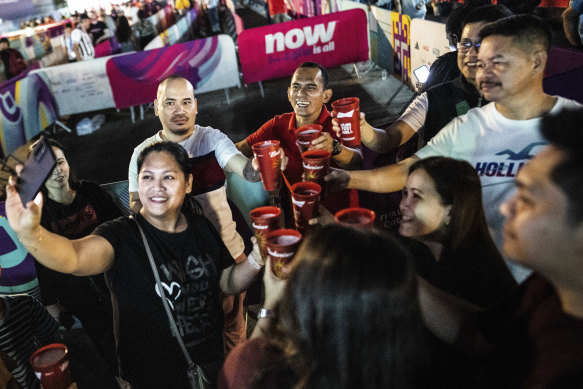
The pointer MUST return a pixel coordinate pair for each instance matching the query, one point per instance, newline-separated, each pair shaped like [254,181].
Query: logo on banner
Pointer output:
[297,37]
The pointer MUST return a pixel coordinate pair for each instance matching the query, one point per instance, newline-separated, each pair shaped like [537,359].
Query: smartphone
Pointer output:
[421,73]
[37,169]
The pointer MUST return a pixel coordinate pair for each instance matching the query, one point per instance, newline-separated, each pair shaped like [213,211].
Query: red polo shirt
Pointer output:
[282,128]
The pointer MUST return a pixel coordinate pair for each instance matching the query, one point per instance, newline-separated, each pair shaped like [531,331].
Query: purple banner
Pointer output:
[15,9]
[26,108]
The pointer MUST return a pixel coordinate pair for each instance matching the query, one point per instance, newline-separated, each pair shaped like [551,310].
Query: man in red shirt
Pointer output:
[308,93]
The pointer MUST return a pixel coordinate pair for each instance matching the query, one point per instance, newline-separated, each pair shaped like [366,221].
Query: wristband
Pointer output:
[253,262]
[336,148]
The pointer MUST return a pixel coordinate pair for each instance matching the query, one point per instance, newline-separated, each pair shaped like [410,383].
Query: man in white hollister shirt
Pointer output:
[497,139]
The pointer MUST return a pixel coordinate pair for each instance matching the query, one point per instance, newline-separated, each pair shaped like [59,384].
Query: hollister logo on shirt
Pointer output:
[515,161]
[295,38]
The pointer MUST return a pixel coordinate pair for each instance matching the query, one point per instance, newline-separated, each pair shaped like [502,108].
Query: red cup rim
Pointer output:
[45,348]
[266,209]
[281,232]
[345,101]
[359,211]
[308,127]
[265,143]
[307,186]
[314,154]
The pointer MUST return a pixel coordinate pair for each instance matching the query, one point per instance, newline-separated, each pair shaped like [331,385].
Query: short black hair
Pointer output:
[68,25]
[4,40]
[526,30]
[563,131]
[453,25]
[83,16]
[314,65]
[486,14]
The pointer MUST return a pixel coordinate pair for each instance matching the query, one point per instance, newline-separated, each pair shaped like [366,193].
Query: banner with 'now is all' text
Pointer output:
[331,40]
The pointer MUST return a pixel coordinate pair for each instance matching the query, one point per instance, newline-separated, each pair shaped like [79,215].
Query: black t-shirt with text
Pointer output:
[190,264]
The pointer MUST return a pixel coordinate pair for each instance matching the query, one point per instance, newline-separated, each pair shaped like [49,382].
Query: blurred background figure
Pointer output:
[14,62]
[212,11]
[125,35]
[25,325]
[144,30]
[68,43]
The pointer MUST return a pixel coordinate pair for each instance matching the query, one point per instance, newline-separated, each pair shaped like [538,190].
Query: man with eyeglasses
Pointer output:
[497,139]
[437,106]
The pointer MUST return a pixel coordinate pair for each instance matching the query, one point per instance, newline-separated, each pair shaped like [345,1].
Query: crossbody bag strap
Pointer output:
[173,326]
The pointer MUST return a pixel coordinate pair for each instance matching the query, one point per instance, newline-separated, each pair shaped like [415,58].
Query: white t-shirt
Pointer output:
[415,114]
[214,203]
[496,147]
[81,38]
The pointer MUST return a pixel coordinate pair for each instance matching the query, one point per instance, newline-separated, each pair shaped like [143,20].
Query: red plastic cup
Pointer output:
[348,116]
[51,365]
[281,247]
[306,134]
[269,161]
[316,164]
[305,200]
[265,220]
[355,217]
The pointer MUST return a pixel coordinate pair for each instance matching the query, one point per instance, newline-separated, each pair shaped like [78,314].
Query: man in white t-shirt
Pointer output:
[82,44]
[496,139]
[210,151]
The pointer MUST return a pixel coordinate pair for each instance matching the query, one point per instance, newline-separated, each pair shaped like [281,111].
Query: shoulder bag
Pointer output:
[196,376]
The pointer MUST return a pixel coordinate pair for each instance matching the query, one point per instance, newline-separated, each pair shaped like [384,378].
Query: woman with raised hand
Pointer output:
[347,317]
[192,263]
[442,208]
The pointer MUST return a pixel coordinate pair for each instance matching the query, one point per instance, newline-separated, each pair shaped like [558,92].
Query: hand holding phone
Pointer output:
[37,168]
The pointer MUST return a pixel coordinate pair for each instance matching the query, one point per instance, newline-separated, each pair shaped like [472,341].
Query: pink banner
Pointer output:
[554,3]
[331,40]
[209,64]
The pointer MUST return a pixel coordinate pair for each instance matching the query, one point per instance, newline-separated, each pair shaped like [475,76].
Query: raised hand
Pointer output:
[337,179]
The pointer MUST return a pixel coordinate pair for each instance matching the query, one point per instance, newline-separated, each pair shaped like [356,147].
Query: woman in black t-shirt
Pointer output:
[192,261]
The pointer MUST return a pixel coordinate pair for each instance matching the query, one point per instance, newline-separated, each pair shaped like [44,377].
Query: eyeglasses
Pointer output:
[466,45]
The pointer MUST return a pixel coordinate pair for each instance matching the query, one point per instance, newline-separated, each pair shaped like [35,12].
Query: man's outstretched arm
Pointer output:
[386,179]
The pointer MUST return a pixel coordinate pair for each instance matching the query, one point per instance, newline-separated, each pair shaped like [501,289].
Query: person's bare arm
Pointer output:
[90,255]
[383,141]
[135,203]
[242,166]
[106,35]
[348,158]
[244,148]
[386,179]
[238,277]
[77,51]
[377,139]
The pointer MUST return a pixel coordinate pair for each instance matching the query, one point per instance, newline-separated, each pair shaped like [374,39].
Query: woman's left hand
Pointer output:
[274,287]
[22,219]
